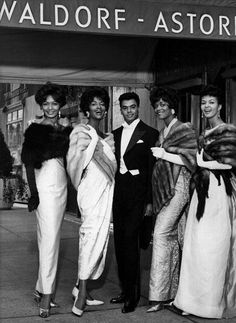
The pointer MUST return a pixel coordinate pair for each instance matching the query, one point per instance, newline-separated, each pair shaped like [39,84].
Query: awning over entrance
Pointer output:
[31,56]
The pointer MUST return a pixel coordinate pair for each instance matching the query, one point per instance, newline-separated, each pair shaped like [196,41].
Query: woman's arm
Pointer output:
[33,201]
[163,154]
[213,164]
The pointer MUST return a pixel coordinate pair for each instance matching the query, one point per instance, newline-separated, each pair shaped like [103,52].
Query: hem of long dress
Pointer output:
[160,299]
[200,310]
[229,313]
[81,277]
[45,291]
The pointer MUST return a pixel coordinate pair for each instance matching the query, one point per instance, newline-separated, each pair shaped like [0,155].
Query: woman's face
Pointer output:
[97,109]
[162,109]
[50,107]
[210,106]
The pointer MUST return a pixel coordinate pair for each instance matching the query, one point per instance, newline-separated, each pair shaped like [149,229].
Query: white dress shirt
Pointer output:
[128,130]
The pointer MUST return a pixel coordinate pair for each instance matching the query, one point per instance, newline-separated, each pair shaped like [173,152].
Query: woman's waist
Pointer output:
[59,161]
[51,168]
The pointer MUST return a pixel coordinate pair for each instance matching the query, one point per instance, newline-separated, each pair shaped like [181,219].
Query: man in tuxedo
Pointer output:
[132,196]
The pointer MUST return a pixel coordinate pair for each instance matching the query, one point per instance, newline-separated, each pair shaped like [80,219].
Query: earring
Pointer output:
[59,114]
[172,111]
[202,115]
[218,115]
[87,114]
[105,114]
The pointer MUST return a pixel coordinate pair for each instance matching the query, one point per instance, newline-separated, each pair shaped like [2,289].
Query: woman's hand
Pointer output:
[200,160]
[65,122]
[80,136]
[158,152]
[210,164]
[33,202]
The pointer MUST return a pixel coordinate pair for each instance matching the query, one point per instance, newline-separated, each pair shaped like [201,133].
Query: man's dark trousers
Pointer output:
[128,213]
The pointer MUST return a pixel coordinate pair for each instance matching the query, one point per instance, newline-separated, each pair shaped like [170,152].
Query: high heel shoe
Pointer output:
[37,298]
[44,312]
[89,302]
[155,308]
[77,311]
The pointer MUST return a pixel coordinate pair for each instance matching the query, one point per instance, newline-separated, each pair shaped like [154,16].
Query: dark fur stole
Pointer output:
[181,140]
[44,142]
[218,144]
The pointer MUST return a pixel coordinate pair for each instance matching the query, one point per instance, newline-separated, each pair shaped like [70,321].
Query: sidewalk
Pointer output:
[18,270]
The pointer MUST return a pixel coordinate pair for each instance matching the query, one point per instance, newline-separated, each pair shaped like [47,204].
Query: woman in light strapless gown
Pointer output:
[43,153]
[207,286]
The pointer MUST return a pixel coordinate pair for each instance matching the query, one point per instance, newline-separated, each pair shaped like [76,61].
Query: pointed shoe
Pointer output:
[37,298]
[155,308]
[75,310]
[89,302]
[93,302]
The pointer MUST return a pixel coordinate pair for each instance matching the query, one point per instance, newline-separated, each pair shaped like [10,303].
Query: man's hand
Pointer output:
[148,210]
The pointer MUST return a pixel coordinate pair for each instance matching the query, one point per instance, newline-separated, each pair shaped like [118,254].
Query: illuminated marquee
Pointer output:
[142,18]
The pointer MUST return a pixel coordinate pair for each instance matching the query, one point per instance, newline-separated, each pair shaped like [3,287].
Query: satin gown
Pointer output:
[51,183]
[207,286]
[95,197]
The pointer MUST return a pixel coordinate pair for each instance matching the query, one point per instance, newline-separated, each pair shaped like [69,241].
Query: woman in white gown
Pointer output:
[92,166]
[43,154]
[207,286]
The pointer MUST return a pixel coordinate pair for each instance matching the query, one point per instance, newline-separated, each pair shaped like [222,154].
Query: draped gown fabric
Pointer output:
[51,183]
[94,197]
[207,286]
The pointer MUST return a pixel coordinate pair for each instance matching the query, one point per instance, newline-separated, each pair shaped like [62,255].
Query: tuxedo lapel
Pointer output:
[139,131]
[118,142]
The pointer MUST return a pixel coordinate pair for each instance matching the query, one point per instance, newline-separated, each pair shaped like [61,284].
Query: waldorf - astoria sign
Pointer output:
[122,17]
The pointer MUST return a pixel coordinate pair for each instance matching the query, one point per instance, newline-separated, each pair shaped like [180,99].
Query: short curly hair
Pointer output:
[89,95]
[212,90]
[56,91]
[168,95]
[129,96]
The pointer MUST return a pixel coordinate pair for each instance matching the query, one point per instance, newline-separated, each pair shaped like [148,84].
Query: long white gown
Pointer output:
[205,255]
[94,197]
[51,183]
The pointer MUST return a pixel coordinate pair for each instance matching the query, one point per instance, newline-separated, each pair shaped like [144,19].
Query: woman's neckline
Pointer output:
[208,130]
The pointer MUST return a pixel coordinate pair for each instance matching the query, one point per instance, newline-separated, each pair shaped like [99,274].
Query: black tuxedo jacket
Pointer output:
[138,154]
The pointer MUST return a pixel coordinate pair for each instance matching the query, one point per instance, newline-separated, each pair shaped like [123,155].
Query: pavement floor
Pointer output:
[18,271]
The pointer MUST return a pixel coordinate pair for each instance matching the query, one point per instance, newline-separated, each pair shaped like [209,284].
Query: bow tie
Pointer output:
[127,126]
